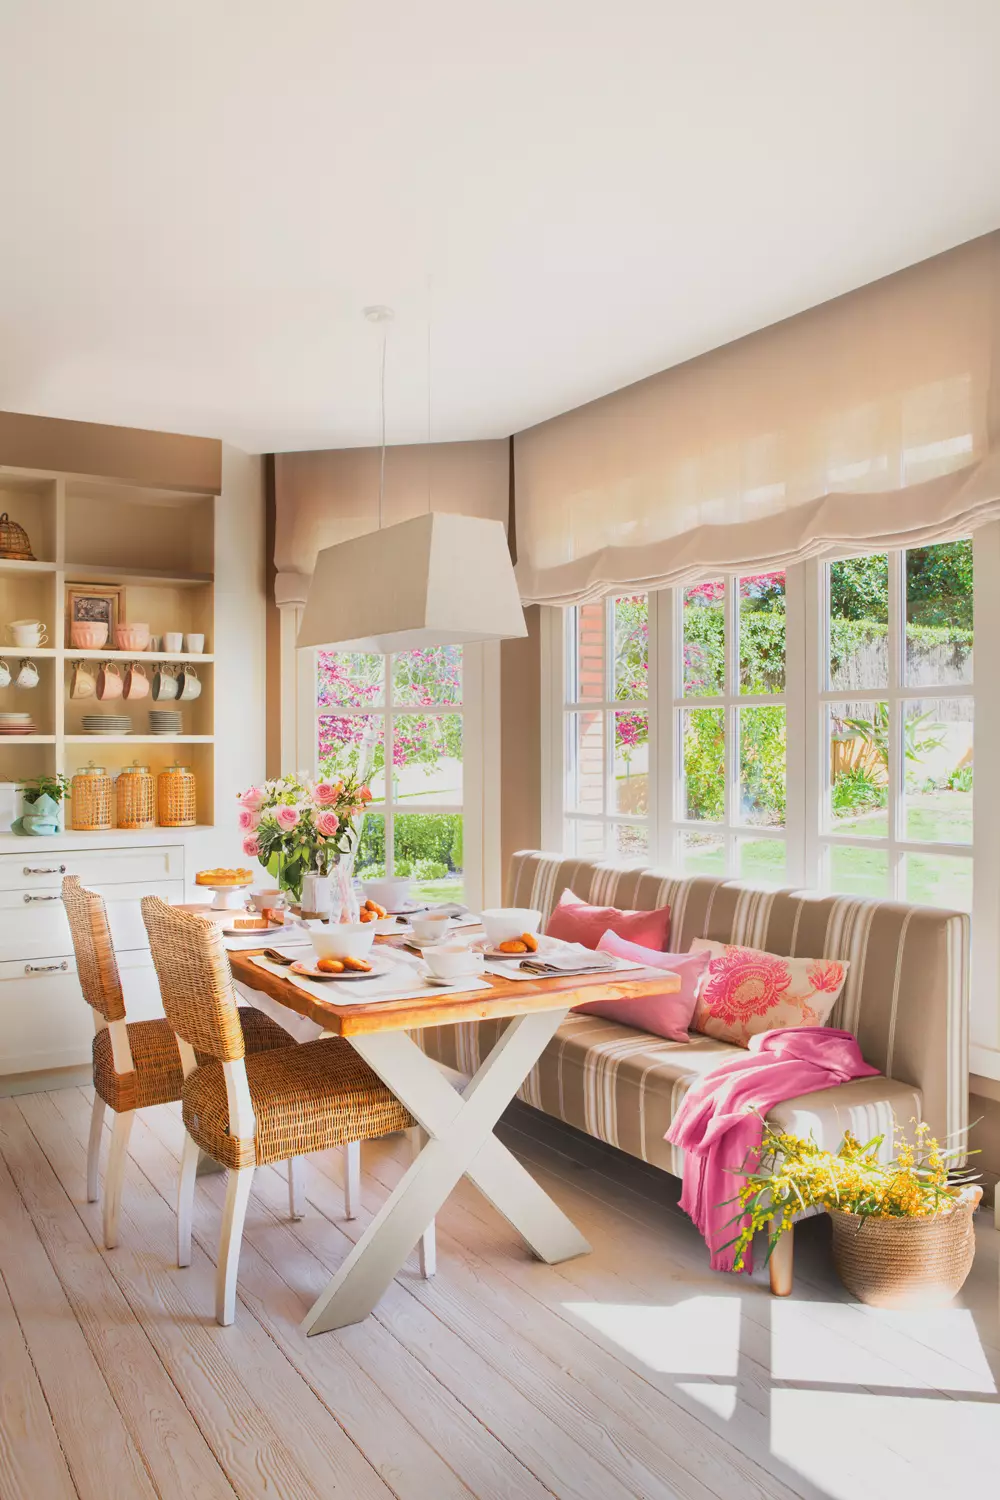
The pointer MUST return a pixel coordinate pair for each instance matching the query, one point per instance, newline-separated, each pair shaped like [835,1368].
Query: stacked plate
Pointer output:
[17,724]
[107,724]
[166,721]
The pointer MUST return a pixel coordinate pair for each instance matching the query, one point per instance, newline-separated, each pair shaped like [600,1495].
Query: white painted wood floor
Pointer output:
[632,1372]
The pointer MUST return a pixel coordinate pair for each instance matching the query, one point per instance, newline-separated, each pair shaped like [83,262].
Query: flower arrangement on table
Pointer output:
[295,826]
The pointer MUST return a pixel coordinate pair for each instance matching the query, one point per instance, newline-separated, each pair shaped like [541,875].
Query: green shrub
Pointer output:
[434,837]
[857,791]
[430,869]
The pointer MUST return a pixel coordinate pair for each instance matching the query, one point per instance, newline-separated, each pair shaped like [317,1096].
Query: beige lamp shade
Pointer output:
[438,580]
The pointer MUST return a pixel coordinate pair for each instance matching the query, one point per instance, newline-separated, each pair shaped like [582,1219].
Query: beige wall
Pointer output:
[163,460]
[520,742]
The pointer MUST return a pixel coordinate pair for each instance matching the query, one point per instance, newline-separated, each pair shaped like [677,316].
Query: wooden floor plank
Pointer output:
[100,1453]
[31,1461]
[266,1427]
[176,1454]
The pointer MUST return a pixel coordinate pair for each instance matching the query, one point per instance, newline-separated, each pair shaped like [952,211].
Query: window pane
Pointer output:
[631,792]
[762,766]
[427,758]
[859,623]
[762,860]
[428,847]
[585,837]
[939,614]
[370,861]
[632,647]
[349,679]
[762,633]
[939,880]
[353,743]
[631,841]
[585,761]
[428,676]
[859,768]
[859,872]
[585,678]
[704,750]
[938,749]
[705,640]
[703,854]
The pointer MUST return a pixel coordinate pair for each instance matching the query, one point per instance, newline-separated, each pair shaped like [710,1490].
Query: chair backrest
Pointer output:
[196,982]
[907,993]
[96,964]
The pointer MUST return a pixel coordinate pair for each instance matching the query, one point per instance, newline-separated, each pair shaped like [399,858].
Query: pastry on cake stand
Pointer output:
[227,885]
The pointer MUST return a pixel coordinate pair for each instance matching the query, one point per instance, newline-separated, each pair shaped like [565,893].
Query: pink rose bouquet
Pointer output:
[293,826]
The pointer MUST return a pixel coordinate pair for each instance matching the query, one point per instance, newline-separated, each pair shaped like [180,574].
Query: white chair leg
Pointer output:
[94,1147]
[237,1197]
[352,1179]
[427,1248]
[297,1187]
[186,1183]
[117,1158]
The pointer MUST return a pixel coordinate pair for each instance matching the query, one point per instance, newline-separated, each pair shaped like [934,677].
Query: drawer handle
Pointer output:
[41,898]
[45,869]
[46,968]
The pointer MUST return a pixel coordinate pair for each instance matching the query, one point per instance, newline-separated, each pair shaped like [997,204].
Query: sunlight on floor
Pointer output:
[699,1336]
[838,1344]
[720,1400]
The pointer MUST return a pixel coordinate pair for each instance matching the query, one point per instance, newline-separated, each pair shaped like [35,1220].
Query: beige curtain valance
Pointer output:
[871,421]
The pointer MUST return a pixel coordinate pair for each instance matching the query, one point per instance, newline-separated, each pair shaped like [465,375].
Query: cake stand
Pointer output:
[228,897]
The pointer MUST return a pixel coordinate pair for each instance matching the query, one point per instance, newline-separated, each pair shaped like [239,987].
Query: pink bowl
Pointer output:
[132,637]
[88,636]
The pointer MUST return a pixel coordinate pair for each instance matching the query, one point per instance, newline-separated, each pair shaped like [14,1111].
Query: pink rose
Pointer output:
[286,817]
[254,798]
[327,824]
[325,793]
[251,846]
[365,794]
[248,819]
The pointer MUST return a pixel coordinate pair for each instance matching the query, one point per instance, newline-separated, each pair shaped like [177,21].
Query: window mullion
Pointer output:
[896,757]
[732,719]
[388,744]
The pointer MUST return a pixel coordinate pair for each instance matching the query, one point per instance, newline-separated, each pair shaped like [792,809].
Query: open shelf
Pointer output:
[152,657]
[93,573]
[137,739]
[17,565]
[28,739]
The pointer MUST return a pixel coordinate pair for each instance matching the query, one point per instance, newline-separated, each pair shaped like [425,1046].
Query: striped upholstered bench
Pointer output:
[906,1000]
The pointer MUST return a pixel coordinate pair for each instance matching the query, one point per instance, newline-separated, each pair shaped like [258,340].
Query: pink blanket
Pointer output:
[718,1132]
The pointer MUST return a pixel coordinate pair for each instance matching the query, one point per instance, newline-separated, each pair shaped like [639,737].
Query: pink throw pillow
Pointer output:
[747,991]
[576,922]
[667,1015]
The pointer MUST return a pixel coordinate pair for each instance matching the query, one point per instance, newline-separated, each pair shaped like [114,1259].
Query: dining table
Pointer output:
[457,1124]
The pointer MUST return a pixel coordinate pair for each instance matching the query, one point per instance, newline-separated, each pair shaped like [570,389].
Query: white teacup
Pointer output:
[194,644]
[27,677]
[453,961]
[429,926]
[4,674]
[27,633]
[173,642]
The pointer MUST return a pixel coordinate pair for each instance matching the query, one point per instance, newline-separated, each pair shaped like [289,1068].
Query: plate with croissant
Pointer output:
[341,968]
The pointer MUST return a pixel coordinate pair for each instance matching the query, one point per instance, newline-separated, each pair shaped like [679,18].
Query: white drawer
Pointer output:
[46,1023]
[33,923]
[38,867]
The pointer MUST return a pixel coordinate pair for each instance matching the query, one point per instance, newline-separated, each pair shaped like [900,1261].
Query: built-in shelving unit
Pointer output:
[158,545]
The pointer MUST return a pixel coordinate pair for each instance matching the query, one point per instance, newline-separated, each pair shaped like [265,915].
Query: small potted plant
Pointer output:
[902,1229]
[41,804]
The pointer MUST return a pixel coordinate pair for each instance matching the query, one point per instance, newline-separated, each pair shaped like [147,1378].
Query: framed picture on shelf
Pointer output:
[95,604]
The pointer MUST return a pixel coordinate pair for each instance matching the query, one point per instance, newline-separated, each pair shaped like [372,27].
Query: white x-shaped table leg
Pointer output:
[460,1142]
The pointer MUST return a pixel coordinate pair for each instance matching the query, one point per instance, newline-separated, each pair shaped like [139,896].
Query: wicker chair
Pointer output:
[136,1063]
[249,1112]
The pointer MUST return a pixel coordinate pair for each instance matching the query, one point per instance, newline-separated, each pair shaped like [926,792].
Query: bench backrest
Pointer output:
[907,993]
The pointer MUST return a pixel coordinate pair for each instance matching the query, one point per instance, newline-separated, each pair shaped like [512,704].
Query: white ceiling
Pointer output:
[197,197]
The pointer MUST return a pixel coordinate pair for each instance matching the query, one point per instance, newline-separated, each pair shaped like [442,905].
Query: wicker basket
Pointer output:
[919,1262]
[91,798]
[176,798]
[135,792]
[14,543]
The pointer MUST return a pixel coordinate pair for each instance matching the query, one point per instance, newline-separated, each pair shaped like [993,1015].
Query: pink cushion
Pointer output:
[747,991]
[666,1015]
[576,922]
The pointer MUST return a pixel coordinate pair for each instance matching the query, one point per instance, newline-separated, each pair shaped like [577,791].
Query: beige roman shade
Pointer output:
[870,421]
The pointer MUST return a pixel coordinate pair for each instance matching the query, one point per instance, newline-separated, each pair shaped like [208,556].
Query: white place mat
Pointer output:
[397,985]
[285,940]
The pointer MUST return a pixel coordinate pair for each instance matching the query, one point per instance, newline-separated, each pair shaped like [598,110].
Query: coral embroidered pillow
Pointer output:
[747,991]
[667,1014]
[576,922]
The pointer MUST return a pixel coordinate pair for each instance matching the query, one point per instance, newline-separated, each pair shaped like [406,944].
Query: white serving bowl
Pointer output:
[453,961]
[501,923]
[343,939]
[392,892]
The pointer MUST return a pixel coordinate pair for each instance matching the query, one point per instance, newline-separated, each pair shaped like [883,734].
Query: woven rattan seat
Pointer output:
[321,1094]
[157,1076]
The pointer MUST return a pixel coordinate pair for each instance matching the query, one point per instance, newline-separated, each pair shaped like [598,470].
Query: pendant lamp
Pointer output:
[438,579]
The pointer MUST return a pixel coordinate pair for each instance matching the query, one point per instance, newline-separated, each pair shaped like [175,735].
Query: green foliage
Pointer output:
[857,791]
[705,764]
[56,787]
[421,838]
[762,763]
[939,585]
[430,869]
[859,589]
[960,779]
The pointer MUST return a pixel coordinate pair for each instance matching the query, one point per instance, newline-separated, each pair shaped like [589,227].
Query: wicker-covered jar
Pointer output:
[91,799]
[176,797]
[135,792]
[14,544]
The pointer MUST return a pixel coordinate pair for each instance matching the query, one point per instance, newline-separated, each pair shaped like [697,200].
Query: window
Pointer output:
[399,722]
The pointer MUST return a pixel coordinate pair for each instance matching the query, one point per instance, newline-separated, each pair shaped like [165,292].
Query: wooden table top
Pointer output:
[506,997]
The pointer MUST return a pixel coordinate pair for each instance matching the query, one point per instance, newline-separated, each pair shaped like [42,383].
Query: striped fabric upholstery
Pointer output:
[906,1000]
